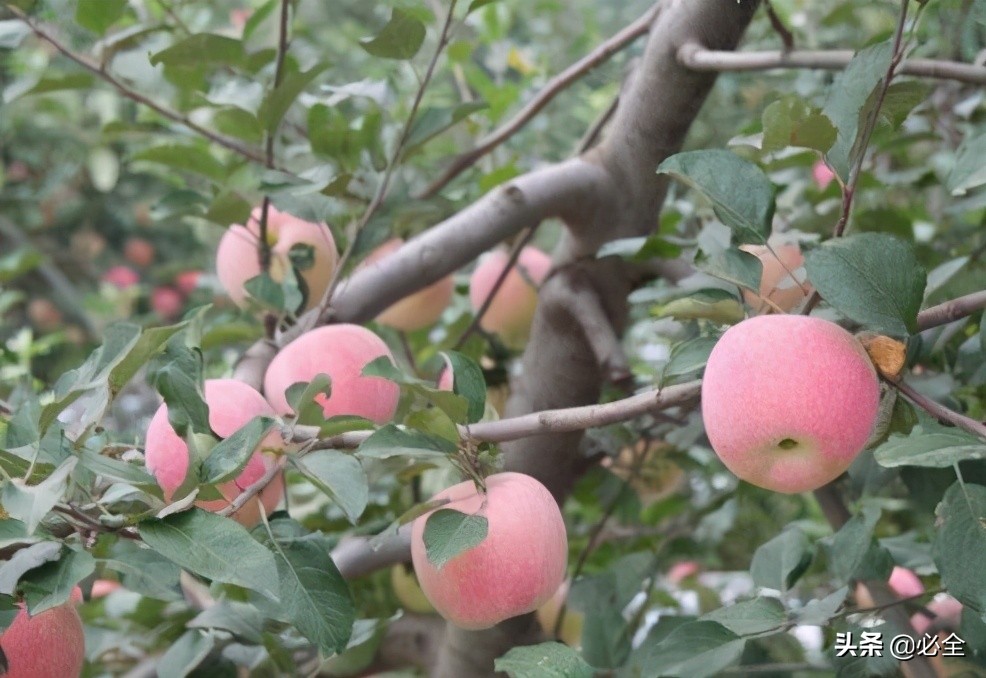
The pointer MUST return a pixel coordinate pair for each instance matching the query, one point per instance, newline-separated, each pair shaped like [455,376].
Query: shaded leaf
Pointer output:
[338,475]
[449,533]
[401,38]
[547,660]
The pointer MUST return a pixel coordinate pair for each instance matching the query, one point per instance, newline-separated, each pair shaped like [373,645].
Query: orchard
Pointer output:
[471,338]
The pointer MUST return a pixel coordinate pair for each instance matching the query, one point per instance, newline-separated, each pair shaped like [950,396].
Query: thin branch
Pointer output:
[696,57]
[511,263]
[555,86]
[941,412]
[126,91]
[381,193]
[775,22]
[952,310]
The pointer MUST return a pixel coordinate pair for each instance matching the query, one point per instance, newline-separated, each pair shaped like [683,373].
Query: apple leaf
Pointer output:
[960,543]
[750,617]
[697,649]
[792,121]
[338,475]
[873,278]
[931,446]
[449,533]
[546,660]
[780,562]
[51,584]
[468,382]
[969,170]
[401,38]
[229,456]
[734,266]
[741,194]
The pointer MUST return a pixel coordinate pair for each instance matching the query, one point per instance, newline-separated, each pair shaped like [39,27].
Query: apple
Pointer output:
[121,277]
[822,174]
[514,570]
[510,313]
[188,281]
[789,401]
[947,611]
[231,404]
[341,352]
[902,581]
[686,569]
[570,632]
[167,302]
[776,283]
[44,314]
[408,590]
[138,252]
[48,645]
[238,258]
[415,311]
[104,587]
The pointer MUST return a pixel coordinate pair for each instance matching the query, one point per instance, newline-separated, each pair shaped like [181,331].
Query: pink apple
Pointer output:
[138,252]
[783,281]
[510,313]
[822,174]
[121,277]
[341,352]
[789,401]
[238,259]
[415,311]
[48,645]
[188,281]
[231,405]
[167,302]
[516,569]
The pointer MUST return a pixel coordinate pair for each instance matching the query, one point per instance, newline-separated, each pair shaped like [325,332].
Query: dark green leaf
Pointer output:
[51,584]
[280,99]
[231,455]
[401,38]
[449,533]
[693,650]
[199,49]
[854,553]
[546,660]
[734,266]
[145,571]
[750,617]
[301,397]
[391,441]
[338,475]
[468,382]
[780,562]
[687,359]
[98,15]
[791,121]
[213,547]
[873,278]
[960,543]
[741,194]
[179,381]
[185,654]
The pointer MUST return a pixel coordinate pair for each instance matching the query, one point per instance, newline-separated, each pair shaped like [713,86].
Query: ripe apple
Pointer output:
[789,401]
[570,632]
[44,314]
[231,405]
[121,277]
[341,352]
[822,174]
[514,570]
[947,611]
[510,313]
[408,590]
[138,252]
[777,284]
[418,310]
[48,645]
[679,572]
[104,587]
[188,281]
[167,302]
[238,258]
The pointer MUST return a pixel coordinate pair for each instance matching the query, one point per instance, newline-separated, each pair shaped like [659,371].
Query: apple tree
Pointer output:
[457,338]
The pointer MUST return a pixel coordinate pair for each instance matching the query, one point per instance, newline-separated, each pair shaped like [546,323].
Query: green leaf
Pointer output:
[51,584]
[901,99]
[31,503]
[144,571]
[791,121]
[818,612]
[750,617]
[546,660]
[960,543]
[734,266]
[301,398]
[741,194]
[185,654]
[433,121]
[687,358]
[277,102]
[401,38]
[854,553]
[24,560]
[969,170]
[847,97]
[201,49]
[449,533]
[185,158]
[241,619]
[213,547]
[338,475]
[391,441]
[713,304]
[99,15]
[479,4]
[265,291]
[228,458]
[873,278]
[693,650]
[931,447]
[179,381]
[115,470]
[313,593]
[780,562]
[468,382]
[12,33]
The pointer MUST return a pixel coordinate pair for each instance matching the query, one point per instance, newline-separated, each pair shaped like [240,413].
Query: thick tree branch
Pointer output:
[555,86]
[125,90]
[952,310]
[697,57]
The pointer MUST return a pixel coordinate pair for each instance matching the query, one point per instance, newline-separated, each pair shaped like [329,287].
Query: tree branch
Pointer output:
[555,86]
[941,412]
[952,310]
[126,91]
[697,57]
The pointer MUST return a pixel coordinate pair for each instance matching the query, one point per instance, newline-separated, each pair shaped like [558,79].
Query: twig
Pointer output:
[511,262]
[698,58]
[254,489]
[952,310]
[125,90]
[556,85]
[941,412]
[849,187]
[381,193]
[775,22]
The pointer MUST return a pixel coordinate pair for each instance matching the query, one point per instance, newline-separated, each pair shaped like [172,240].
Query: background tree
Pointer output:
[135,133]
